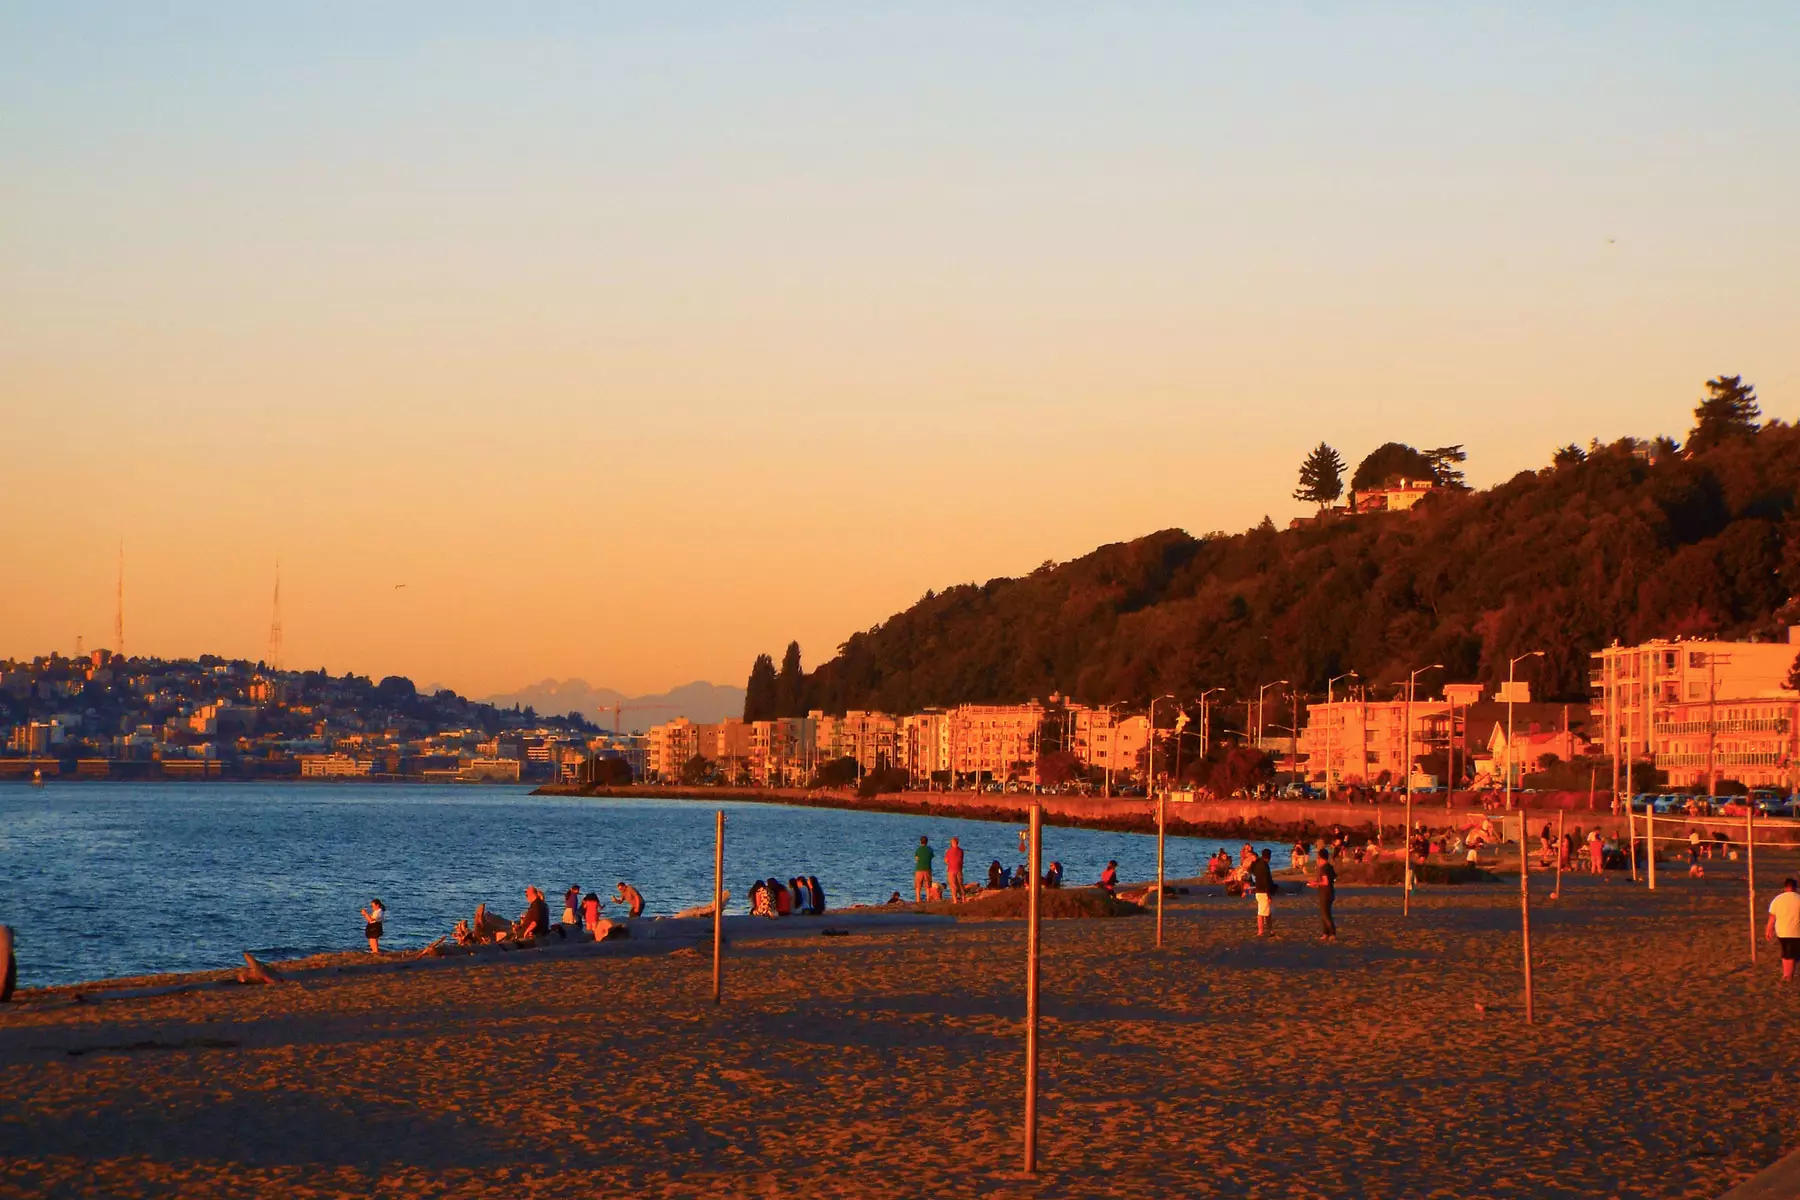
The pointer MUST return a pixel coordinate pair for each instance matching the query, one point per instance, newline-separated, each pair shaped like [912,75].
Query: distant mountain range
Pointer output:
[699,702]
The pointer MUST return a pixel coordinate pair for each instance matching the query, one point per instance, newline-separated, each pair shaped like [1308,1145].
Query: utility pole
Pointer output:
[1511,694]
[1713,660]
[1406,839]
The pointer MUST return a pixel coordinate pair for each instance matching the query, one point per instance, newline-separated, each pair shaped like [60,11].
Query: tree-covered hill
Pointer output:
[1631,540]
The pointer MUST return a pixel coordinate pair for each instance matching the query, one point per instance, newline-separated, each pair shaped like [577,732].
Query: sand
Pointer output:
[889,1063]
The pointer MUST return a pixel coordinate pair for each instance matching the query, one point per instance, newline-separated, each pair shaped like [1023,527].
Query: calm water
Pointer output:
[103,880]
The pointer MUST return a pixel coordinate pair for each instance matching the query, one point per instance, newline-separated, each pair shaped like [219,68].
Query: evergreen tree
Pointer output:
[1321,476]
[790,685]
[759,693]
[1729,410]
[1445,469]
[1570,455]
[1792,683]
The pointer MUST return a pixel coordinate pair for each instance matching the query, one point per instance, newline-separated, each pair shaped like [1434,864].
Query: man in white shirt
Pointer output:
[1784,925]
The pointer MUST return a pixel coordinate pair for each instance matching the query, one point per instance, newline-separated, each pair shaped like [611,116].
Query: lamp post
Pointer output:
[1159,820]
[1406,841]
[1509,721]
[1259,709]
[1328,716]
[1205,726]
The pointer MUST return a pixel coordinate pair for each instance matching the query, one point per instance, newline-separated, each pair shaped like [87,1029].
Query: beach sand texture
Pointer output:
[1395,1063]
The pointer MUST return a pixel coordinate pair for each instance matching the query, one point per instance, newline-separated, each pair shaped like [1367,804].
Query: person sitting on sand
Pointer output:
[1053,877]
[1020,877]
[372,918]
[935,892]
[797,887]
[535,920]
[1297,856]
[784,899]
[761,902]
[895,899]
[631,896]
[1109,878]
[996,875]
[816,894]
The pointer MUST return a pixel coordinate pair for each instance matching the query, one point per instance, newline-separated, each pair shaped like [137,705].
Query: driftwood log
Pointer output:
[255,972]
[435,950]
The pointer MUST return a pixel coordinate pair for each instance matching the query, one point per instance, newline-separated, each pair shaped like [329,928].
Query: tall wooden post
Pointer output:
[1650,842]
[1525,909]
[1162,800]
[1557,894]
[1750,872]
[1631,838]
[1031,989]
[718,901]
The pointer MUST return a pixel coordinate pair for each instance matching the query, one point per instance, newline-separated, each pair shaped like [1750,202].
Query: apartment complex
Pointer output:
[973,741]
[1702,710]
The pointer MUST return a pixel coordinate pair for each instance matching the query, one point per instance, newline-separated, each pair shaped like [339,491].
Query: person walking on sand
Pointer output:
[372,919]
[1784,925]
[921,869]
[1326,882]
[1262,883]
[630,895]
[953,867]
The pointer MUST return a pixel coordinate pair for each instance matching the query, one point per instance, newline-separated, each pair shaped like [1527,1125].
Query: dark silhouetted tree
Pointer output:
[1446,466]
[1321,476]
[1792,683]
[790,684]
[1729,410]
[1389,462]
[1570,455]
[760,693]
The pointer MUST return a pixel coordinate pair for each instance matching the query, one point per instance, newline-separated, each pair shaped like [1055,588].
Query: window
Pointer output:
[1696,658]
[1696,691]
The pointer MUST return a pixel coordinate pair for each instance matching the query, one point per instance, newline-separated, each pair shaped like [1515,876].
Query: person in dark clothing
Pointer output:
[1262,883]
[1326,882]
[996,875]
[1053,877]
[817,894]
[536,921]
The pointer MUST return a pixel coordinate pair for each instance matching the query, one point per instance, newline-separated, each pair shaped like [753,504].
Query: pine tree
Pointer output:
[1729,410]
[1445,471]
[1792,683]
[759,693]
[1321,476]
[790,685]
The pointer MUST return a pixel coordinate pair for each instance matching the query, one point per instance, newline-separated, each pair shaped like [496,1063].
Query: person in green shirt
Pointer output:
[921,869]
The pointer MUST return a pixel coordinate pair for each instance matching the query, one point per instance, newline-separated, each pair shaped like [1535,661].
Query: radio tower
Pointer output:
[119,612]
[275,624]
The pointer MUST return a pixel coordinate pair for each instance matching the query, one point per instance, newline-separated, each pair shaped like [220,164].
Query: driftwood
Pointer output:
[255,972]
[435,950]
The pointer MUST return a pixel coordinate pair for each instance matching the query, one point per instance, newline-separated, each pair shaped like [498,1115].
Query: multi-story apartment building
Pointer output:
[781,752]
[1101,738]
[996,741]
[1700,710]
[667,747]
[1366,741]
[333,766]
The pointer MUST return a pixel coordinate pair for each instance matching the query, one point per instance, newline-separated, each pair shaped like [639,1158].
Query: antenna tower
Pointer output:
[275,624]
[119,611]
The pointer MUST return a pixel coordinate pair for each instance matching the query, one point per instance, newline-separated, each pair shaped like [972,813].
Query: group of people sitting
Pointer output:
[999,879]
[580,918]
[801,894]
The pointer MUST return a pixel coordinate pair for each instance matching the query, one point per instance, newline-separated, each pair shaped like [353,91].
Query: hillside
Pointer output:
[1631,541]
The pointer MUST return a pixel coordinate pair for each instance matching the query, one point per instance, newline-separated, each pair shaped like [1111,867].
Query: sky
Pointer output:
[635,340]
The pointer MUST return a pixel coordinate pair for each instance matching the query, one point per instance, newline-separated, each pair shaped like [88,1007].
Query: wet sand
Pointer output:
[889,1063]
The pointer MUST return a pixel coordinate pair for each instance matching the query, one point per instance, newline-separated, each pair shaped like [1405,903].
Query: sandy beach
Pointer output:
[889,1063]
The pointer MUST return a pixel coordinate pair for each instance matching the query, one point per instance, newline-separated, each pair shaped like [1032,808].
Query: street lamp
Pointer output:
[1328,716]
[1160,800]
[1510,695]
[1259,709]
[1205,727]
[1407,741]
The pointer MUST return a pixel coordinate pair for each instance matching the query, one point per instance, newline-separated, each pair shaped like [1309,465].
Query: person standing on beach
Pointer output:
[1784,925]
[372,919]
[921,869]
[630,895]
[590,911]
[1262,883]
[571,903]
[1326,882]
[953,867]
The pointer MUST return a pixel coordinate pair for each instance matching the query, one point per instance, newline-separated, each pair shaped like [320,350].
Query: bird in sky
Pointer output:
[398,586]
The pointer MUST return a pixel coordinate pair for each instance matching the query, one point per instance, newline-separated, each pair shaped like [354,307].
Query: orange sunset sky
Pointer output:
[637,342]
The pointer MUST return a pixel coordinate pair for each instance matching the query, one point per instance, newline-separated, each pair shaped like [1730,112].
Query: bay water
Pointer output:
[101,880]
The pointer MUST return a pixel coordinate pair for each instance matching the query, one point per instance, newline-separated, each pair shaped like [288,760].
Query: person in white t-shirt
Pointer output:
[1784,925]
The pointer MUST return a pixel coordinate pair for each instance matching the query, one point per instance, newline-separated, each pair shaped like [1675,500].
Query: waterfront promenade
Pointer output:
[888,1062]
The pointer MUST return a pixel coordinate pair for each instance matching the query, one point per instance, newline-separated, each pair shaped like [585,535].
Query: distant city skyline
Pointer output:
[637,343]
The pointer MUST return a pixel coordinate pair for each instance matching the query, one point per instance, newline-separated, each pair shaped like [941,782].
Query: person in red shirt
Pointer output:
[1109,878]
[953,865]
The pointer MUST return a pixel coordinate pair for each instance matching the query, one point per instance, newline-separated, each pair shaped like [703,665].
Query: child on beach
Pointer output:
[571,900]
[372,918]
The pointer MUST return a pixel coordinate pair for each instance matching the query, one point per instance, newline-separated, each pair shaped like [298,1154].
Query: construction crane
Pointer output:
[625,708]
